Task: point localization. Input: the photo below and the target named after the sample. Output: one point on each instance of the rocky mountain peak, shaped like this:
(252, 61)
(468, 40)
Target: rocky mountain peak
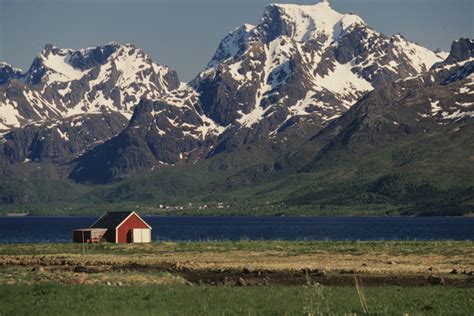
(91, 57)
(53, 64)
(298, 23)
(231, 45)
(302, 61)
(7, 73)
(62, 82)
(305, 22)
(459, 63)
(461, 50)
(48, 48)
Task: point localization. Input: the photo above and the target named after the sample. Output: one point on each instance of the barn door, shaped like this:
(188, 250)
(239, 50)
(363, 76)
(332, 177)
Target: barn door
(141, 235)
(130, 236)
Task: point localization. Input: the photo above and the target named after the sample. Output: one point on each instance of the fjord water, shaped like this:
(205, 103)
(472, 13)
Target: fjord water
(59, 229)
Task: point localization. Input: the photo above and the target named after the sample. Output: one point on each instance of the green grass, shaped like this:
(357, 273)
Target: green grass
(51, 299)
(446, 248)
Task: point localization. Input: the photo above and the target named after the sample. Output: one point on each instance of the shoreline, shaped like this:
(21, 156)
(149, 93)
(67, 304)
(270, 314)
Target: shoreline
(16, 215)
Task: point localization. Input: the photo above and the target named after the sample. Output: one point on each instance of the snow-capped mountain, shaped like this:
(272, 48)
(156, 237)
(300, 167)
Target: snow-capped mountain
(434, 107)
(49, 109)
(302, 61)
(279, 83)
(64, 82)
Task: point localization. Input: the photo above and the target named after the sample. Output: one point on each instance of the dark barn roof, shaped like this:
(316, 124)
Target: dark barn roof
(111, 220)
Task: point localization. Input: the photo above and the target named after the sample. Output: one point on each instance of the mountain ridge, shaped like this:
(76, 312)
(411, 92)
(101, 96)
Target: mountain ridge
(55, 87)
(265, 107)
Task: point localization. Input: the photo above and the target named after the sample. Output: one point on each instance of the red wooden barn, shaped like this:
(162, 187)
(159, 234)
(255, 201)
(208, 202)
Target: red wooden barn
(117, 227)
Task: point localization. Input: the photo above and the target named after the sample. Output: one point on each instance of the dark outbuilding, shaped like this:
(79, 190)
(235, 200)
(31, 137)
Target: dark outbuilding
(89, 235)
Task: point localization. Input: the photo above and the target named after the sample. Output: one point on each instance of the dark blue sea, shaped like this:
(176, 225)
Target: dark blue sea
(59, 229)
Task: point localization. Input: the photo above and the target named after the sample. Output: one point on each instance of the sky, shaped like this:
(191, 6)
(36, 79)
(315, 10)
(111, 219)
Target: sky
(184, 34)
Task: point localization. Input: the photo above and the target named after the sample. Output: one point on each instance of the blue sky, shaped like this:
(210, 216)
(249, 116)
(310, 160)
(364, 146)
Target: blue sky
(184, 34)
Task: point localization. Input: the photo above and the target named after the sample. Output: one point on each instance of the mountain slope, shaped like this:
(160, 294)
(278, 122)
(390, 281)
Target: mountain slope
(407, 144)
(159, 135)
(61, 140)
(275, 84)
(406, 148)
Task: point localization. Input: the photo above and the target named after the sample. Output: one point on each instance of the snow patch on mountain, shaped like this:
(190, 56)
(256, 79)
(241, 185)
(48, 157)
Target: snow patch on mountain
(457, 115)
(435, 108)
(62, 134)
(62, 70)
(208, 128)
(343, 81)
(8, 115)
(274, 73)
(420, 58)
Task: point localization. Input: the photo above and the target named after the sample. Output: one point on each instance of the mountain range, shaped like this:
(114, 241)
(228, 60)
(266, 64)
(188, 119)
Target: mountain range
(310, 111)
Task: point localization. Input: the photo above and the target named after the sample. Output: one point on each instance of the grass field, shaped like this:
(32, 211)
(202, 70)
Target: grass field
(446, 248)
(238, 278)
(53, 299)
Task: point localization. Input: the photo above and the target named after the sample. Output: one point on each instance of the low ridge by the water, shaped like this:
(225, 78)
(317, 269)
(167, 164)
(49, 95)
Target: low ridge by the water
(59, 229)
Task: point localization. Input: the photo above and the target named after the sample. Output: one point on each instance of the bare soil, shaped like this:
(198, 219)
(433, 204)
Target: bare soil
(242, 268)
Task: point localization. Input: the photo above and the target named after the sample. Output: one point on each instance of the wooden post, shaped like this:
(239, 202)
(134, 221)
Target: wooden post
(83, 244)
